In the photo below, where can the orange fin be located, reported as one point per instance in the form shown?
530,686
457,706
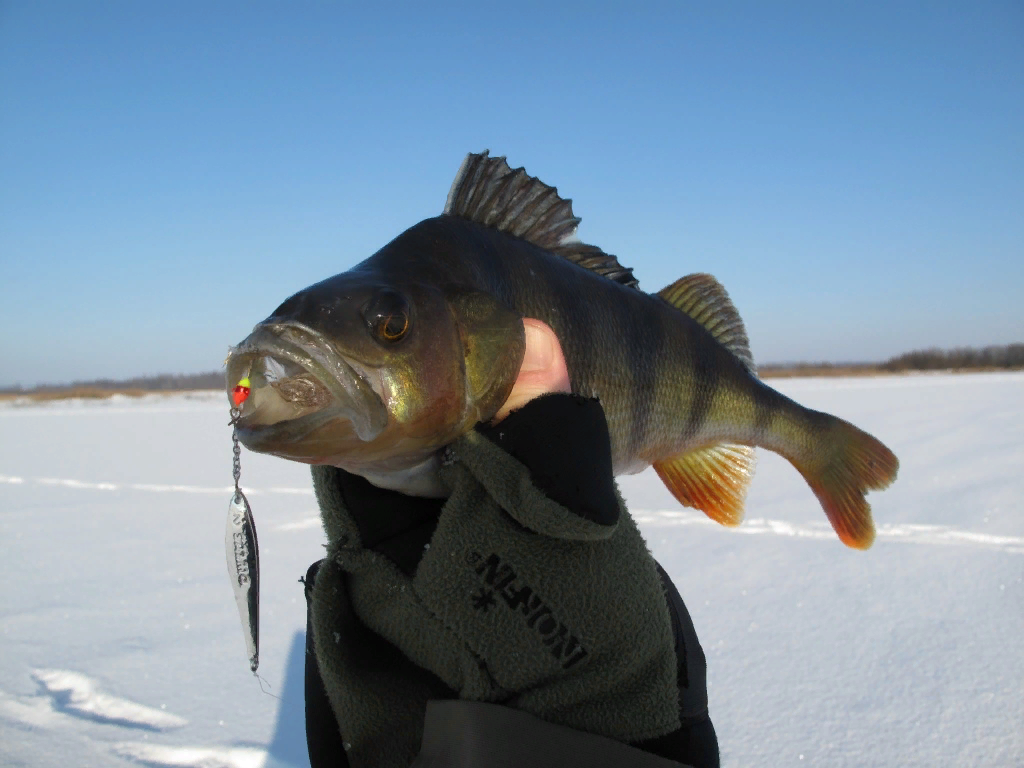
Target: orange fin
713,480
859,464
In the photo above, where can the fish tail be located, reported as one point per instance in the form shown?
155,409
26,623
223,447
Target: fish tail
840,462
843,464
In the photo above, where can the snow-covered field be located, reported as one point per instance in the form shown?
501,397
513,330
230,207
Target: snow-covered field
122,644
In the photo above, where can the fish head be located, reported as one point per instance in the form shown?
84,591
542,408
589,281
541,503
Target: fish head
375,370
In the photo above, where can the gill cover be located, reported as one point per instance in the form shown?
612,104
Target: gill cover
493,345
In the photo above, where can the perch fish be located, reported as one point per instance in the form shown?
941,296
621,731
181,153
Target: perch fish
376,369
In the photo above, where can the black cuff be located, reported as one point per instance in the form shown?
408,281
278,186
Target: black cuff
389,522
563,440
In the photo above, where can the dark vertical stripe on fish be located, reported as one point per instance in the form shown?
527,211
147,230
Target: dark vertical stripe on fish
705,374
571,312
764,410
644,344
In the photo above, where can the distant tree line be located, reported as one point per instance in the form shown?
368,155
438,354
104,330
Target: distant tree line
1005,356
163,382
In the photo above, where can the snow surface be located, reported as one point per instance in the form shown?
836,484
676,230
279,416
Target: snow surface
122,645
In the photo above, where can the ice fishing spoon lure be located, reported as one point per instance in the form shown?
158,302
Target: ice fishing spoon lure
242,552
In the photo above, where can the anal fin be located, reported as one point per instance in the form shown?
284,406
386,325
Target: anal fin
712,479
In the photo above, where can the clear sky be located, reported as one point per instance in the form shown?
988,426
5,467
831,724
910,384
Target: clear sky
853,173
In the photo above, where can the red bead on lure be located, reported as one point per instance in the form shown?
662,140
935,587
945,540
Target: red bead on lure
241,391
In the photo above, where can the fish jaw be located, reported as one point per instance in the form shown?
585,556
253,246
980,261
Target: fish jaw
301,388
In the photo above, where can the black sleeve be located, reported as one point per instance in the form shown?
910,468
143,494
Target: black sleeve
695,742
563,440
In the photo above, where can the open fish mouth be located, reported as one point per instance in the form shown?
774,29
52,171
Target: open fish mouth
298,382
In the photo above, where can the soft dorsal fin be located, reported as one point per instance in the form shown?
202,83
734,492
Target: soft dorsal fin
704,299
488,192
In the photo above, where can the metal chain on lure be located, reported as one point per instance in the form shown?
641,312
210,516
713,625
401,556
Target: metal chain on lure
240,546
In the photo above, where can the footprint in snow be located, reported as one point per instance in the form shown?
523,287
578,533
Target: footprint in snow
75,694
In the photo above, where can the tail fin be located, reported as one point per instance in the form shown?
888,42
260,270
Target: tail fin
849,463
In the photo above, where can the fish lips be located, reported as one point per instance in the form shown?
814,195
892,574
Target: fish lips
352,396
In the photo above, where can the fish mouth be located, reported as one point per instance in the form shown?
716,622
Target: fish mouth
298,383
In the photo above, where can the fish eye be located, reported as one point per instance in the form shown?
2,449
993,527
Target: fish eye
388,316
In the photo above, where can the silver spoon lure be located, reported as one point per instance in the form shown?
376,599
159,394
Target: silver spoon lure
243,557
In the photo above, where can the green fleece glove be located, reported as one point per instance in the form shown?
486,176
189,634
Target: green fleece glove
517,600
378,696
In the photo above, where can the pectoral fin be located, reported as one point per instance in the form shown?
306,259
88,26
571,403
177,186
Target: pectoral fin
713,480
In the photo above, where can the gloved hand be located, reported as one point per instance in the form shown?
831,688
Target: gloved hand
533,592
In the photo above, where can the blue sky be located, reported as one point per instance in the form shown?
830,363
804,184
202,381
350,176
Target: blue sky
170,172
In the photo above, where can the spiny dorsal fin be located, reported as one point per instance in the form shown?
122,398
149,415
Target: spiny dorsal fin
488,192
704,299
593,258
